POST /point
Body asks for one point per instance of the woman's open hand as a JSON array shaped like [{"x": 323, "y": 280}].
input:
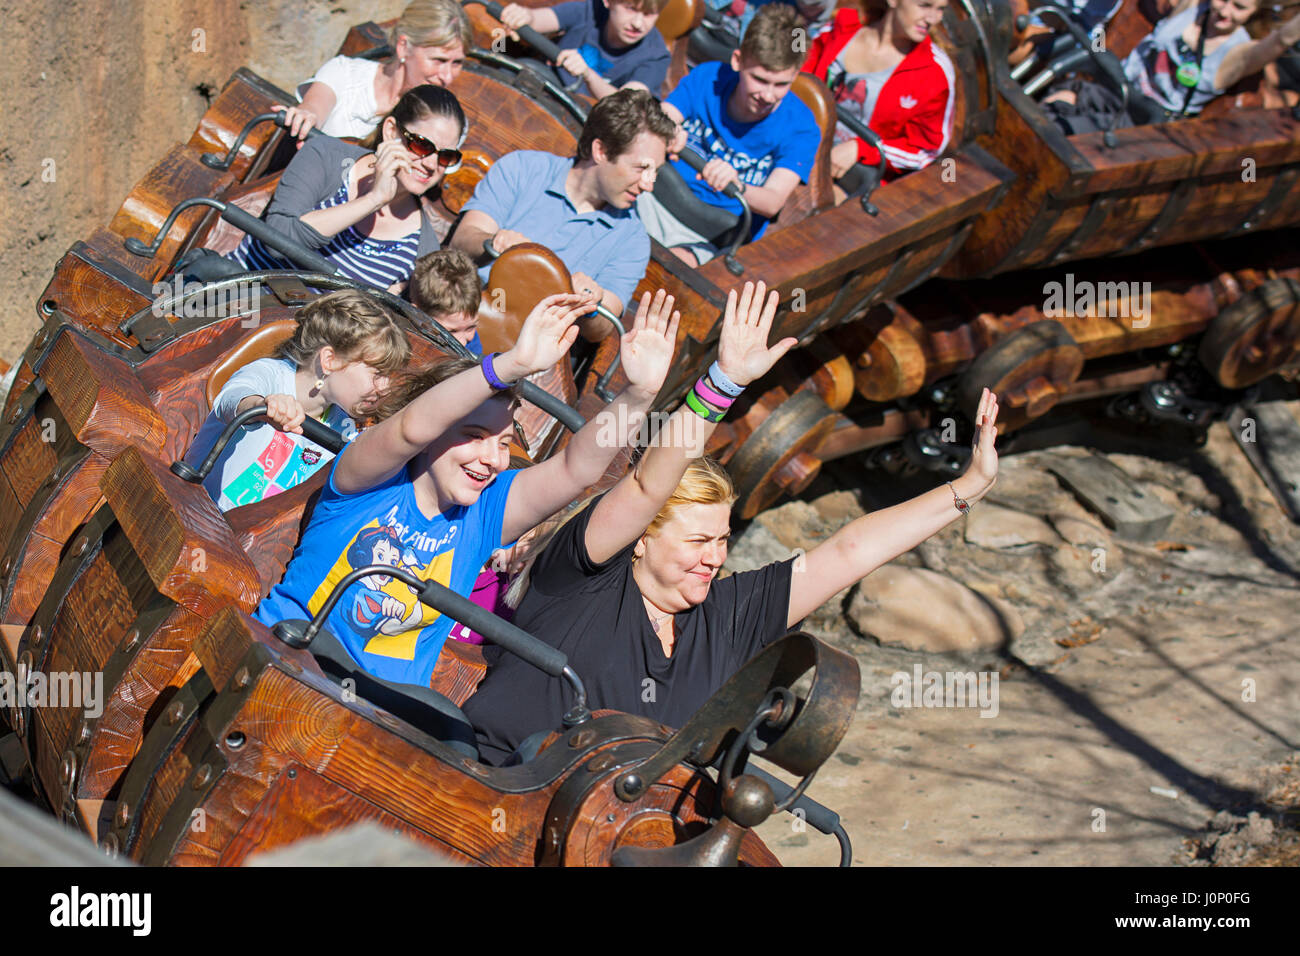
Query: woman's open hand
[
  {"x": 742, "y": 351},
  {"x": 391, "y": 158},
  {"x": 647, "y": 349},
  {"x": 546, "y": 336},
  {"x": 983, "y": 469}
]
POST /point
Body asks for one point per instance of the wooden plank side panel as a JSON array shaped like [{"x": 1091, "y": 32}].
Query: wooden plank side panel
[
  {"x": 319, "y": 806},
  {"x": 28, "y": 462},
  {"x": 391, "y": 772},
  {"x": 164, "y": 661},
  {"x": 827, "y": 245},
  {"x": 237, "y": 103},
  {"x": 168, "y": 782},
  {"x": 1209, "y": 147},
  {"x": 179, "y": 175},
  {"x": 67, "y": 510}
]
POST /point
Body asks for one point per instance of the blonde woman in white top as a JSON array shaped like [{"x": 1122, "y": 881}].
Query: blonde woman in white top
[{"x": 349, "y": 95}]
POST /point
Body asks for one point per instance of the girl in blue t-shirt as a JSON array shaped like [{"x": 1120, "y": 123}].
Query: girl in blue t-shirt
[{"x": 429, "y": 489}]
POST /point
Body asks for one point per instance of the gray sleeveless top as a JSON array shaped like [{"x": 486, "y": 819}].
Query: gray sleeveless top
[
  {"x": 857, "y": 92},
  {"x": 1153, "y": 65}
]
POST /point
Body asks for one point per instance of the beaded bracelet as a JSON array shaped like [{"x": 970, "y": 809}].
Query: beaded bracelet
[
  {"x": 490, "y": 374},
  {"x": 726, "y": 385}
]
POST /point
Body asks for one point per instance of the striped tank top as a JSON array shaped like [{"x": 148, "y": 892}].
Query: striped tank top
[{"x": 379, "y": 262}]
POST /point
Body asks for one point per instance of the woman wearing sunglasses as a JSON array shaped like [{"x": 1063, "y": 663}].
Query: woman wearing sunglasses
[{"x": 361, "y": 206}]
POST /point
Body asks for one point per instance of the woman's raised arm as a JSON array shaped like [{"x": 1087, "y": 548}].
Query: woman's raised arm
[
  {"x": 743, "y": 356},
  {"x": 866, "y": 543}
]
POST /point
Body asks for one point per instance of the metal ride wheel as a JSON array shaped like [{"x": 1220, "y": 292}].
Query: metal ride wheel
[
  {"x": 1255, "y": 336},
  {"x": 777, "y": 458},
  {"x": 1029, "y": 370}
]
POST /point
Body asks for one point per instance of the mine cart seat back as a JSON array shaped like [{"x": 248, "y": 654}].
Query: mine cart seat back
[
  {"x": 676, "y": 21},
  {"x": 814, "y": 95},
  {"x": 520, "y": 278},
  {"x": 421, "y": 707},
  {"x": 264, "y": 342}
]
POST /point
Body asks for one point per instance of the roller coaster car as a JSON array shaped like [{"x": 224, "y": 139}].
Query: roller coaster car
[
  {"x": 262, "y": 747},
  {"x": 1126, "y": 191}
]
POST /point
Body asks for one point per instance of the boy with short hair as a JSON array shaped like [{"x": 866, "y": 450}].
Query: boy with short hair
[
  {"x": 445, "y": 286},
  {"x": 740, "y": 119},
  {"x": 607, "y": 45}
]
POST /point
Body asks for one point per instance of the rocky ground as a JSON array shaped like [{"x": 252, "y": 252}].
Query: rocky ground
[{"x": 1147, "y": 711}]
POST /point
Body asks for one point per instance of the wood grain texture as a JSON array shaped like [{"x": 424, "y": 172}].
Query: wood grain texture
[
  {"x": 320, "y": 806},
  {"x": 64, "y": 513},
  {"x": 87, "y": 295},
  {"x": 177, "y": 176},
  {"x": 100, "y": 396},
  {"x": 459, "y": 671},
  {"x": 164, "y": 662},
  {"x": 242, "y": 98},
  {"x": 179, "y": 535}
]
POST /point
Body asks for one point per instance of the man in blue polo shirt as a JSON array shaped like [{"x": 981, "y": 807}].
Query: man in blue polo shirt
[
  {"x": 740, "y": 119},
  {"x": 582, "y": 209}
]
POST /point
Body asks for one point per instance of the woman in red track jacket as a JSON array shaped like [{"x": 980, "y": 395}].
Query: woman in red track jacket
[{"x": 893, "y": 60}]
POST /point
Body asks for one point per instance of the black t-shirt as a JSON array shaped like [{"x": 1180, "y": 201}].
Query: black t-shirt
[{"x": 595, "y": 615}]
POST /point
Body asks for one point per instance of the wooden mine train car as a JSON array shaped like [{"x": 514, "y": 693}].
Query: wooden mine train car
[{"x": 845, "y": 278}]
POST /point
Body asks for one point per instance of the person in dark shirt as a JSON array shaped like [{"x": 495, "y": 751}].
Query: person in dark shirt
[
  {"x": 629, "y": 588},
  {"x": 607, "y": 45}
]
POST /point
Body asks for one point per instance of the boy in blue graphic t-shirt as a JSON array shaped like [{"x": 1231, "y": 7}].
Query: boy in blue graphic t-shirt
[
  {"x": 740, "y": 119},
  {"x": 607, "y": 45}
]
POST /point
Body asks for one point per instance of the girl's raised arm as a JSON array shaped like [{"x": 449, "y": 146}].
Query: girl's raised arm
[
  {"x": 646, "y": 352},
  {"x": 378, "y": 452},
  {"x": 866, "y": 543}
]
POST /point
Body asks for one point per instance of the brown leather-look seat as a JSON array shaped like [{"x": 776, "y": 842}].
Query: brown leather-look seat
[
  {"x": 676, "y": 22},
  {"x": 262, "y": 343},
  {"x": 817, "y": 194},
  {"x": 521, "y": 277}
]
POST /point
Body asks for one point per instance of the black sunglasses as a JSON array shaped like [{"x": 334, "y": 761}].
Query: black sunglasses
[{"x": 422, "y": 147}]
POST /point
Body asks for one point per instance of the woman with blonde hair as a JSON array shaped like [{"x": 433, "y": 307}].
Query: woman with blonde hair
[
  {"x": 629, "y": 588},
  {"x": 349, "y": 95}
]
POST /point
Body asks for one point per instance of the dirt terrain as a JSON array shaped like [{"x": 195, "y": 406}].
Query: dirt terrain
[
  {"x": 93, "y": 93},
  {"x": 1147, "y": 709}
]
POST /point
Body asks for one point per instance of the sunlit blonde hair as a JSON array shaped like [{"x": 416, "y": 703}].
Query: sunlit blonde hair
[
  {"x": 434, "y": 23},
  {"x": 705, "y": 483}
]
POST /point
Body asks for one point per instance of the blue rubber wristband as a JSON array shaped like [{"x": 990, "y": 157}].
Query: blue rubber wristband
[
  {"x": 490, "y": 374},
  {"x": 725, "y": 385}
]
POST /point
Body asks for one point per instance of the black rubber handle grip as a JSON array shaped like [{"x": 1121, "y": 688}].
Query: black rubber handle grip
[
  {"x": 546, "y": 47},
  {"x": 694, "y": 160},
  {"x": 516, "y": 641}
]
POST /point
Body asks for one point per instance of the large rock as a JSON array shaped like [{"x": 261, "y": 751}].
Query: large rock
[
  {"x": 993, "y": 526},
  {"x": 922, "y": 610}
]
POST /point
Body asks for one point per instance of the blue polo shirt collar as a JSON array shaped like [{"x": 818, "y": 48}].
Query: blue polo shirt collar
[{"x": 558, "y": 188}]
